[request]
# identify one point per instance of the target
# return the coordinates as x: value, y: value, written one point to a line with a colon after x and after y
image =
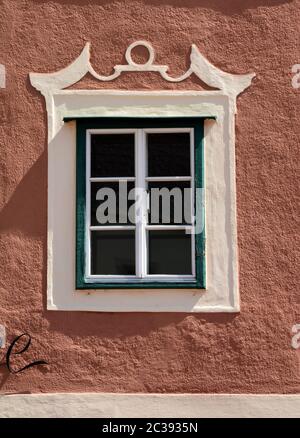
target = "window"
x: 68, y: 285
x: 139, y: 203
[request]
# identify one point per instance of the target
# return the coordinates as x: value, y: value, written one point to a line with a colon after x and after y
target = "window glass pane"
x: 112, y: 203
x: 112, y: 155
x: 169, y: 202
x: 113, y: 252
x: 169, y: 252
x: 169, y: 154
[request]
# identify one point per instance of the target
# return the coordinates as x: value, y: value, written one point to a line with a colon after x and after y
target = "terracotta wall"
x: 246, y: 352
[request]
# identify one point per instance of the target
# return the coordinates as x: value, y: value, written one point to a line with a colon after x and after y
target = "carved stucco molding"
x: 230, y: 84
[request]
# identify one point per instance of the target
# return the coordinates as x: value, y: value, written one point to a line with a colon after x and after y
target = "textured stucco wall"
x: 246, y: 352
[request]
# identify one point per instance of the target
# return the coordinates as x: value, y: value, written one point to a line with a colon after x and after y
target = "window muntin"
x: 184, y: 271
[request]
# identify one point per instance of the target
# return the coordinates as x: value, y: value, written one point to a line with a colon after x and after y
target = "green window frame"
x: 84, y: 124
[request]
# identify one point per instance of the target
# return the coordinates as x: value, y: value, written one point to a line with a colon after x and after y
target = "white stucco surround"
x: 221, y: 294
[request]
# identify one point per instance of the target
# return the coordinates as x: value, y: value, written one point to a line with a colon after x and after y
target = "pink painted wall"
x: 246, y: 352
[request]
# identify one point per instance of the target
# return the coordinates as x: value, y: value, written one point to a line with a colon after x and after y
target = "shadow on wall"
x: 4, y: 373
x: 228, y: 7
x: 26, y: 212
x: 26, y: 209
x: 123, y: 325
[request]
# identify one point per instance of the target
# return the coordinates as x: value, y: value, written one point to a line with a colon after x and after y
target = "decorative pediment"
x: 230, y: 84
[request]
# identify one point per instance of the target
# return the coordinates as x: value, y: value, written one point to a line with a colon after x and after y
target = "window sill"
x: 141, y: 285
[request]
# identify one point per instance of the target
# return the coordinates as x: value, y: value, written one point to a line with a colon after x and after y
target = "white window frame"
x: 141, y: 228
x: 219, y: 102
